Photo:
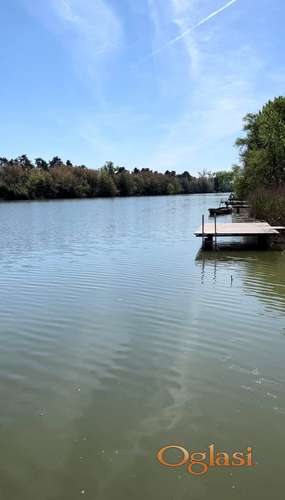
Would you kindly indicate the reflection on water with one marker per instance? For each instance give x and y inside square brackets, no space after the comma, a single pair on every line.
[262,272]
[116,340]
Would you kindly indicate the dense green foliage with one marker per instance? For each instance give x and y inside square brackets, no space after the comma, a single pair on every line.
[21,179]
[261,176]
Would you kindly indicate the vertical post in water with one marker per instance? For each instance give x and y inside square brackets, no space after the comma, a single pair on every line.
[215,231]
[203,229]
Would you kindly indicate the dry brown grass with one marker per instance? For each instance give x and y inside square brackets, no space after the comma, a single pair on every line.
[269,205]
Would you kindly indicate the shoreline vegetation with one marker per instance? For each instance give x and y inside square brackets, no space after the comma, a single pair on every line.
[22,179]
[260,177]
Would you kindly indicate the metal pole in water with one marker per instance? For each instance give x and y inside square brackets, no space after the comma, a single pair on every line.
[215,231]
[203,229]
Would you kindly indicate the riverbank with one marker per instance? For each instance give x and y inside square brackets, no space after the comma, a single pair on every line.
[270,211]
[269,205]
[21,179]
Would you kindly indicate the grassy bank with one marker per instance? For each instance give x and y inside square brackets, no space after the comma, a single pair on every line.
[268,205]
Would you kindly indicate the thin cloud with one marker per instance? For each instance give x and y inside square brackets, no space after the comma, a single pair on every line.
[90,30]
[182,35]
[91,20]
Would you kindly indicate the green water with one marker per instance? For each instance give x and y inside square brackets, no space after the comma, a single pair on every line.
[118,337]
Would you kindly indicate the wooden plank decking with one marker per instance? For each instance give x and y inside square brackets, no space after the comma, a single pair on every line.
[236,229]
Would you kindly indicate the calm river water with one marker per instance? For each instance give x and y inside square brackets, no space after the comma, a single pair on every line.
[118,338]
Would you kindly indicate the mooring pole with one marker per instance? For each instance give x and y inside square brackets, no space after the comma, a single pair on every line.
[203,229]
[215,231]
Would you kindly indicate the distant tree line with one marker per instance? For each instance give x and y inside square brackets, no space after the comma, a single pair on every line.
[260,177]
[22,179]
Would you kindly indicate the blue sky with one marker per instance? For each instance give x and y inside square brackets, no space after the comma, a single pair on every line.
[162,84]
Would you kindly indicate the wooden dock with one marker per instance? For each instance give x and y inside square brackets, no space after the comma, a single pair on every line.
[209,232]
[236,229]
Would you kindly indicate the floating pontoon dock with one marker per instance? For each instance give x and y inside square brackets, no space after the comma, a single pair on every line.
[209,232]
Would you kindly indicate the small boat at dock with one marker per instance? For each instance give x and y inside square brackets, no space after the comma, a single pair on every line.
[220,211]
[235,203]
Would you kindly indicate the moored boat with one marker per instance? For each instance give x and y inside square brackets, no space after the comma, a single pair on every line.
[220,211]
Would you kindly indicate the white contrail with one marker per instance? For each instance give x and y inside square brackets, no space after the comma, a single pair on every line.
[189,30]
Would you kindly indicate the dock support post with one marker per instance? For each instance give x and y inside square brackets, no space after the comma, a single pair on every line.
[263,242]
[208,243]
[215,232]
[203,230]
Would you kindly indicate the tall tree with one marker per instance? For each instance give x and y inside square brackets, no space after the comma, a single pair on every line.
[55,162]
[262,148]
[42,164]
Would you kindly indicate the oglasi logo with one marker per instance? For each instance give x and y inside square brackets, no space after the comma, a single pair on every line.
[198,463]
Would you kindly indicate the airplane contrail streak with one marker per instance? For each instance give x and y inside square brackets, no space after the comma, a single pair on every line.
[189,30]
